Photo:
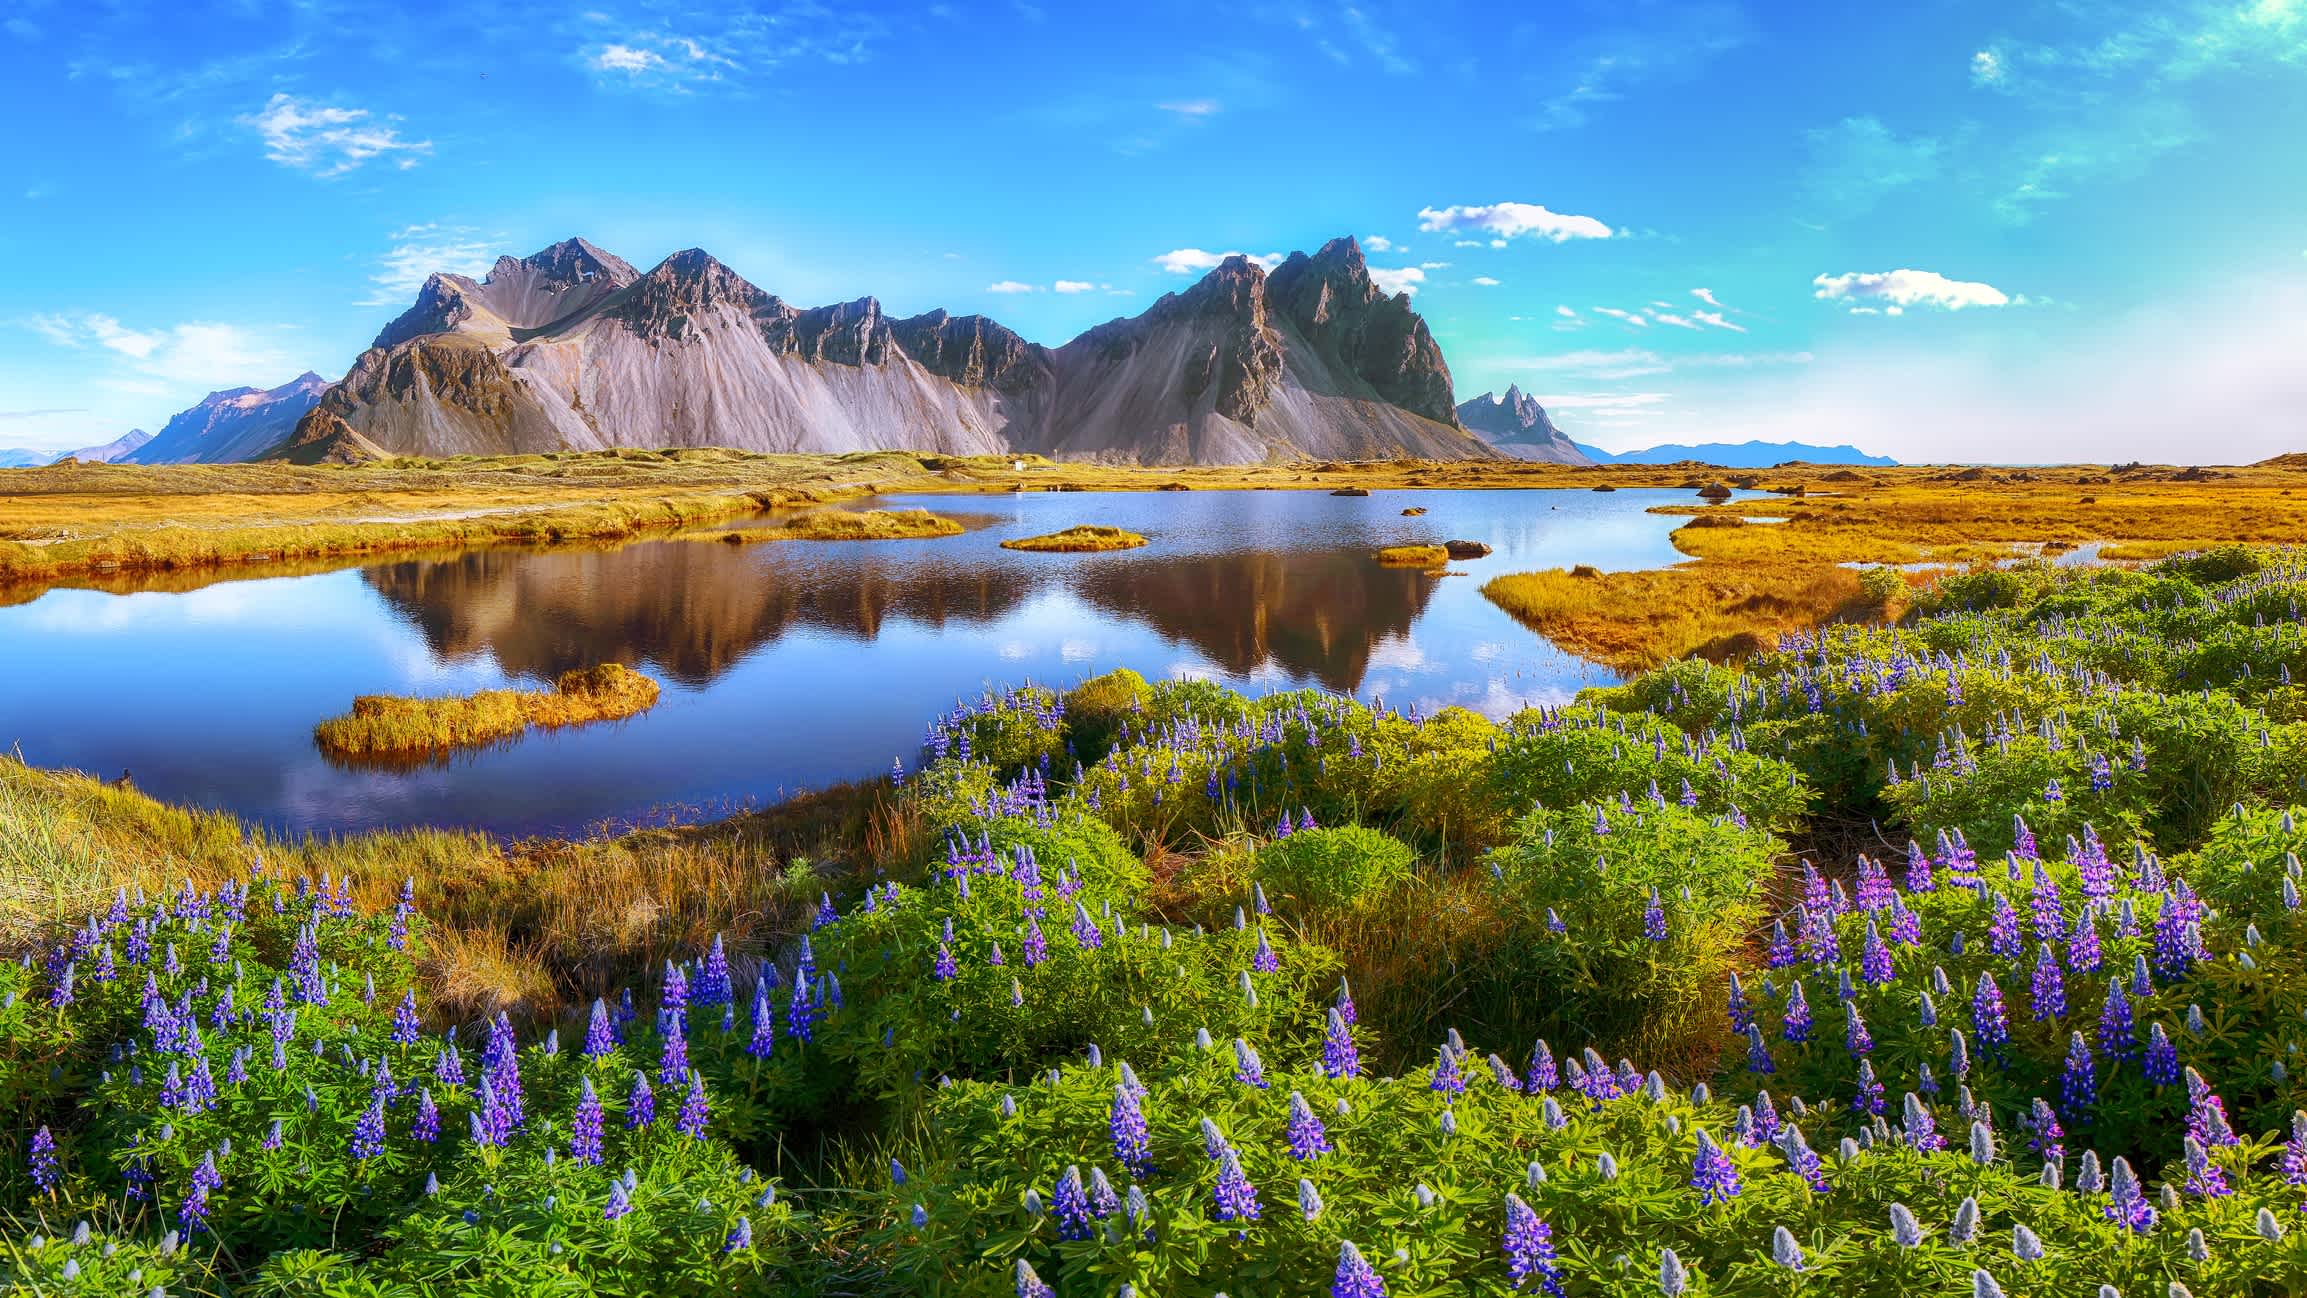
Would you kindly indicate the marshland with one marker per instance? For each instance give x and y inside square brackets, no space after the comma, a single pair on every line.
[1901,860]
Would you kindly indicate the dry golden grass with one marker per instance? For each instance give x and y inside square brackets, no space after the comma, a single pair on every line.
[1085,539]
[1413,556]
[1634,620]
[845,525]
[394,729]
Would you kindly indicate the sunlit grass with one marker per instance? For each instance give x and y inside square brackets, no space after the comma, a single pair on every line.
[846,525]
[393,727]
[1632,620]
[1087,538]
[1413,556]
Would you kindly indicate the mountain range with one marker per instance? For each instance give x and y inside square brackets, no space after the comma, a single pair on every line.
[573,348]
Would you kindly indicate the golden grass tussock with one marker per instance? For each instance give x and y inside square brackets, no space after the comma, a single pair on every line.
[846,525]
[1413,556]
[1634,620]
[1087,538]
[392,728]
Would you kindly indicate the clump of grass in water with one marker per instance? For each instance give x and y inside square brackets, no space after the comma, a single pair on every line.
[392,728]
[846,525]
[1413,556]
[1087,538]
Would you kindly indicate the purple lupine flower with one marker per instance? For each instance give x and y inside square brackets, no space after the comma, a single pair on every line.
[2003,931]
[1988,1020]
[1447,1079]
[2048,989]
[1529,1248]
[585,1127]
[1918,869]
[406,1027]
[2174,946]
[425,1128]
[368,1134]
[1855,1038]
[740,1236]
[1712,1173]
[945,970]
[1355,1278]
[1036,946]
[2048,1138]
[640,1102]
[600,1036]
[1801,1159]
[1340,1058]
[1249,1070]
[2162,1066]
[2126,1202]
[2207,1114]
[2118,1034]
[1543,1076]
[620,1201]
[2049,918]
[47,1170]
[2295,1151]
[448,1066]
[1127,1125]
[1869,1097]
[695,1112]
[1741,1015]
[1308,1140]
[1758,1058]
[2083,943]
[1795,1027]
[1029,1285]
[2079,1085]
[1069,1206]
[2205,1179]
[1919,1128]
[1237,1199]
[1874,960]
[1905,924]
[1086,934]
[713,983]
[1344,1003]
[673,1056]
[673,1001]
[1781,950]
[799,1014]
[1654,918]
[1264,961]
[763,1041]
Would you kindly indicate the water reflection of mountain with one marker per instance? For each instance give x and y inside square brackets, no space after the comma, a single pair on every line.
[694,610]
[1314,614]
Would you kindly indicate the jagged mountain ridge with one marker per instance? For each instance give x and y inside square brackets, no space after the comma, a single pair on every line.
[575,349]
[1517,425]
[233,424]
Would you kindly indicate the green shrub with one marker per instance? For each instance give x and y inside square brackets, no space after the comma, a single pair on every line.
[1333,869]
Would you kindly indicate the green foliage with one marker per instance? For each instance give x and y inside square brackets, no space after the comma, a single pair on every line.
[1317,870]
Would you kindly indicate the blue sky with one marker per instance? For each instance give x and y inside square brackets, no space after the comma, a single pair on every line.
[1947,230]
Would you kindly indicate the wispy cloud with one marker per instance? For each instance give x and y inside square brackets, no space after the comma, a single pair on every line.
[420,251]
[1192,261]
[1857,161]
[1674,44]
[328,140]
[196,353]
[684,49]
[1392,280]
[1192,108]
[1504,221]
[1892,291]
[1486,282]
[1634,318]
[1010,286]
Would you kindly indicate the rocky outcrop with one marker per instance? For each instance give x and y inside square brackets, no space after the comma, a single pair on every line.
[1518,426]
[236,424]
[574,349]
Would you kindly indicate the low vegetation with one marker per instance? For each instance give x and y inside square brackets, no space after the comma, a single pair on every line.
[847,525]
[392,729]
[1084,539]
[1413,556]
[1718,611]
[1153,984]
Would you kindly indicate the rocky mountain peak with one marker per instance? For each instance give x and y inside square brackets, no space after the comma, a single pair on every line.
[684,285]
[571,261]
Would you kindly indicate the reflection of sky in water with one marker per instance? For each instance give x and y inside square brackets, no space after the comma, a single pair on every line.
[787,665]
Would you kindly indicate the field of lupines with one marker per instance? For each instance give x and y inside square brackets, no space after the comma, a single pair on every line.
[1959,957]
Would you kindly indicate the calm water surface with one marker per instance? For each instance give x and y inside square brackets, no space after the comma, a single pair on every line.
[787,665]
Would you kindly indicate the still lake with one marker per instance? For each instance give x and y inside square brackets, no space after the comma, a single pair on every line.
[788,665]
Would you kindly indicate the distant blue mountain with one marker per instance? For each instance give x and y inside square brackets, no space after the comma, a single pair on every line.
[17,458]
[1739,455]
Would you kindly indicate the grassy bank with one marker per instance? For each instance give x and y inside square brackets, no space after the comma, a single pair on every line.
[849,525]
[391,729]
[1718,611]
[1085,539]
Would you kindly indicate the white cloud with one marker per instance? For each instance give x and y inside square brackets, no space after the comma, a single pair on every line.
[1510,221]
[1637,362]
[420,251]
[1189,261]
[1009,286]
[1433,265]
[195,354]
[1986,68]
[1566,313]
[1670,318]
[1391,280]
[1716,319]
[1377,243]
[1627,316]
[1192,107]
[1073,286]
[1706,295]
[1905,288]
[329,141]
[1487,282]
